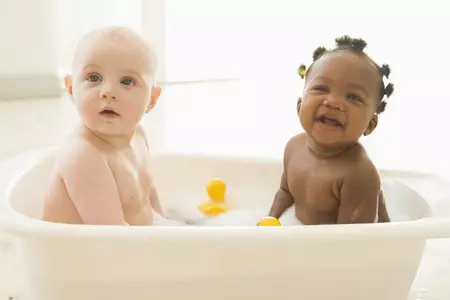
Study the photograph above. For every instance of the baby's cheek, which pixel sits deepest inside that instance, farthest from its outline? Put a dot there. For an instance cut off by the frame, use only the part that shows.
(88, 104)
(137, 105)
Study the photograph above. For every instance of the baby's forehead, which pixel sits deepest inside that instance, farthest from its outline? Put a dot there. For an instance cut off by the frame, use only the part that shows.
(345, 65)
(117, 35)
(124, 42)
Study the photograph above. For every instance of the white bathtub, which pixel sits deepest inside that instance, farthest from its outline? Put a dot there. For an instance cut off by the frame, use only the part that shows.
(370, 262)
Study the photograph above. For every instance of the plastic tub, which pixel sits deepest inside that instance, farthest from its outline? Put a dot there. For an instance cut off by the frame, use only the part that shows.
(72, 262)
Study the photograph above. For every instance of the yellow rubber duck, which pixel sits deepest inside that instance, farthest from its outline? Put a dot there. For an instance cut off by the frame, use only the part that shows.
(217, 204)
(269, 221)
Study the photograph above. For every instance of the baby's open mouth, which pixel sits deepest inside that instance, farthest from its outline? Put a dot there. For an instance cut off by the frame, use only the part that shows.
(329, 121)
(109, 113)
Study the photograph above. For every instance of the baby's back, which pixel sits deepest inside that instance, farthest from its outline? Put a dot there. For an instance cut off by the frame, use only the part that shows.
(95, 184)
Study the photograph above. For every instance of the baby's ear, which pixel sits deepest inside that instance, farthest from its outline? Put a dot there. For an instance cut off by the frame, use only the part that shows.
(68, 84)
(299, 104)
(156, 92)
(372, 125)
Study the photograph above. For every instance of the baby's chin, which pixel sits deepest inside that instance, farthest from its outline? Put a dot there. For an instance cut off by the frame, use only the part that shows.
(115, 129)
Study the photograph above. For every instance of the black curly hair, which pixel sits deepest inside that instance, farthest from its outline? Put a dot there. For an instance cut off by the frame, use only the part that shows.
(346, 43)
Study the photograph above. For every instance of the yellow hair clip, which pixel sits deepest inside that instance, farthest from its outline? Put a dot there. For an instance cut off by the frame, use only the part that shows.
(302, 71)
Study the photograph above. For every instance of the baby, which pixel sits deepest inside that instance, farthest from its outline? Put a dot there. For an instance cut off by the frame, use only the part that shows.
(328, 176)
(102, 175)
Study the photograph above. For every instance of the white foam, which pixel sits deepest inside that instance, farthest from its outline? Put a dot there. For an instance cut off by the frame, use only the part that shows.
(159, 220)
(403, 204)
(235, 217)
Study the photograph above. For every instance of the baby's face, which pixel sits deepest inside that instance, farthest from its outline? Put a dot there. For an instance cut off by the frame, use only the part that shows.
(340, 99)
(111, 85)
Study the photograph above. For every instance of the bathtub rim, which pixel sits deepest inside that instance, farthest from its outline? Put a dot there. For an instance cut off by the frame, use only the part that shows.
(17, 224)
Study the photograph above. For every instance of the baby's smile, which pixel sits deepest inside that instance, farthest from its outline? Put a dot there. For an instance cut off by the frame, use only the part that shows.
(329, 121)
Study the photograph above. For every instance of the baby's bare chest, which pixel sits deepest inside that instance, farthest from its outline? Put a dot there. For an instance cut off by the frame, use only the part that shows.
(132, 176)
(314, 183)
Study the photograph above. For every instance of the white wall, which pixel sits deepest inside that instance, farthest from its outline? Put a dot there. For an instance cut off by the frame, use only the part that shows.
(27, 53)
(267, 40)
(25, 28)
(77, 17)
(256, 39)
(39, 36)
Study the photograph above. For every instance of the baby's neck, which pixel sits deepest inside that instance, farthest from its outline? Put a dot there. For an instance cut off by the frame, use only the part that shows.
(114, 141)
(326, 151)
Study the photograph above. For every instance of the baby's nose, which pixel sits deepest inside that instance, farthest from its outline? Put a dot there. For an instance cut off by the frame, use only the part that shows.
(334, 101)
(107, 95)
(108, 90)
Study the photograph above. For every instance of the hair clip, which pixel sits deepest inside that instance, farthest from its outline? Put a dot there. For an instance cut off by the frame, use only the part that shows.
(381, 107)
(388, 90)
(302, 71)
(385, 70)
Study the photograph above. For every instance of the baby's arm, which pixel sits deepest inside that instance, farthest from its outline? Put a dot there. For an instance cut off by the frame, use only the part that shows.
(359, 195)
(383, 215)
(91, 185)
(154, 200)
(155, 203)
(283, 198)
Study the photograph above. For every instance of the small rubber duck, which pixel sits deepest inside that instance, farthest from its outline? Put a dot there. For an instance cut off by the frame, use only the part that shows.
(217, 204)
(269, 221)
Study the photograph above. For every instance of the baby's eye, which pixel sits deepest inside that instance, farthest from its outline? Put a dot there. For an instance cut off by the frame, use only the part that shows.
(94, 78)
(320, 88)
(354, 97)
(127, 81)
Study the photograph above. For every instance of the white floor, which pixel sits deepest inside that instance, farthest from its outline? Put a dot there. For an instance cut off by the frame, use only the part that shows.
(225, 118)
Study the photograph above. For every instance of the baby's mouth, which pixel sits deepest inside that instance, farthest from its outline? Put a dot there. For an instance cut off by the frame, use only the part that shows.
(109, 113)
(329, 121)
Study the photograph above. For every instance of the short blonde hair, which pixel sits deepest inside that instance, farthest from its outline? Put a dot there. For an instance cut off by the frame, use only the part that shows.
(121, 34)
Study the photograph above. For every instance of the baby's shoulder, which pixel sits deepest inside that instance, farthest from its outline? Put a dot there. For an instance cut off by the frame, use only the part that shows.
(140, 133)
(294, 143)
(359, 167)
(78, 151)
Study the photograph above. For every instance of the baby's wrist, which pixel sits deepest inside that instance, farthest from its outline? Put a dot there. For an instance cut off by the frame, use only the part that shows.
(274, 215)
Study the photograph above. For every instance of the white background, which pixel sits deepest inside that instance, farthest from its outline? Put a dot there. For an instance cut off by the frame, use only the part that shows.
(262, 42)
